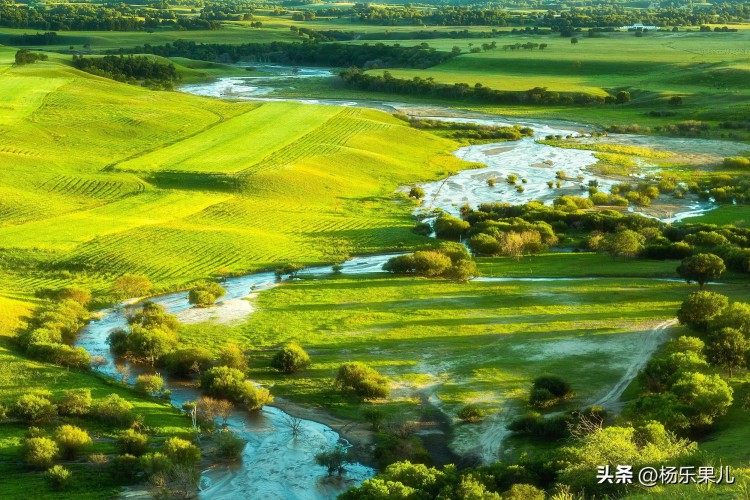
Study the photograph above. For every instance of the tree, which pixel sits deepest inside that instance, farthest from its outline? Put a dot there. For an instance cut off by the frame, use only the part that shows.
(727, 347)
(131, 285)
(206, 293)
(416, 192)
(735, 315)
(701, 268)
(548, 390)
(150, 384)
(625, 243)
(622, 97)
(363, 380)
(229, 383)
(574, 40)
(291, 359)
(706, 397)
(71, 440)
(701, 307)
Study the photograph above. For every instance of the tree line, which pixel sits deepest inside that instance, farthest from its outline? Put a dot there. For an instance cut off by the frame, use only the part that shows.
(309, 53)
(131, 69)
(387, 83)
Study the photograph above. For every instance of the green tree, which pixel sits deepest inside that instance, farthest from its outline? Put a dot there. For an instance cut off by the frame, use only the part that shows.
(706, 397)
(701, 307)
(181, 451)
(735, 315)
(416, 192)
(132, 442)
(334, 460)
(233, 356)
(624, 243)
(39, 452)
(728, 348)
(701, 268)
(131, 285)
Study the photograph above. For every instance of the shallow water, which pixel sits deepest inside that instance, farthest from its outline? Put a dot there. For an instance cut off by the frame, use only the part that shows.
(276, 465)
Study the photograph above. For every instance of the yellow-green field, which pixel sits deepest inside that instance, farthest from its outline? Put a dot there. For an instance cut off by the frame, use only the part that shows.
(101, 178)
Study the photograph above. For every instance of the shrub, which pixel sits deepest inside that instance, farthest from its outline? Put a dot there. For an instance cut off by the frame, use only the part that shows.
(737, 162)
(423, 228)
(124, 469)
(75, 402)
(549, 390)
(153, 385)
(363, 380)
(229, 383)
(229, 445)
(416, 192)
(334, 460)
(206, 293)
(39, 452)
(34, 409)
(132, 442)
(450, 228)
(59, 477)
(131, 285)
(471, 413)
(155, 463)
(71, 440)
(181, 451)
(60, 354)
(114, 410)
(484, 244)
(186, 362)
(524, 492)
(291, 359)
(234, 357)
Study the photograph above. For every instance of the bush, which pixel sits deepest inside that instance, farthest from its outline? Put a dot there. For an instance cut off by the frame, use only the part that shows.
(206, 293)
(416, 192)
(471, 413)
(228, 445)
(291, 359)
(34, 409)
(364, 381)
(155, 463)
(181, 451)
(59, 478)
(234, 357)
(131, 285)
(549, 390)
(71, 440)
(60, 354)
(186, 362)
(450, 228)
(333, 460)
(124, 469)
(152, 385)
(39, 452)
(229, 383)
(483, 244)
(114, 410)
(75, 402)
(737, 162)
(524, 492)
(132, 442)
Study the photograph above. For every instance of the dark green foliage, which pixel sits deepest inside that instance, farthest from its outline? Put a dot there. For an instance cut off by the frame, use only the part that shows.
(416, 192)
(124, 469)
(334, 460)
(548, 390)
(228, 445)
(25, 56)
(450, 261)
(291, 359)
(131, 69)
(471, 413)
(363, 380)
(132, 442)
(727, 348)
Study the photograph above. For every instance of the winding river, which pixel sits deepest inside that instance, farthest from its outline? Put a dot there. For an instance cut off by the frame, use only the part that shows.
(276, 465)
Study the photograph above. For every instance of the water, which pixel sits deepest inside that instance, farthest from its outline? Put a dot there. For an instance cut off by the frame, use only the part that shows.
(276, 465)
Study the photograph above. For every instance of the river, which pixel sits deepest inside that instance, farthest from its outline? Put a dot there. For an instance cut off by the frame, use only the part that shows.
(276, 465)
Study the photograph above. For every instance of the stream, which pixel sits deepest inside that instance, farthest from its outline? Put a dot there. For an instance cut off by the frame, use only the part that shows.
(276, 465)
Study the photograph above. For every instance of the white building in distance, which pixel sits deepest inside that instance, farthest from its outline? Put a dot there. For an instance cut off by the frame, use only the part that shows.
(638, 26)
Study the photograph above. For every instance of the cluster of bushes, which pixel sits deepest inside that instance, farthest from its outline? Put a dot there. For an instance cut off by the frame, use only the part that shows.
(55, 326)
(25, 56)
(472, 132)
(387, 83)
(206, 293)
(554, 427)
(151, 334)
(151, 72)
(678, 390)
(395, 438)
(362, 380)
(451, 261)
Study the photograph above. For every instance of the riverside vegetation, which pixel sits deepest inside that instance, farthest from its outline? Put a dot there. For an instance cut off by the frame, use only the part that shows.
(475, 373)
